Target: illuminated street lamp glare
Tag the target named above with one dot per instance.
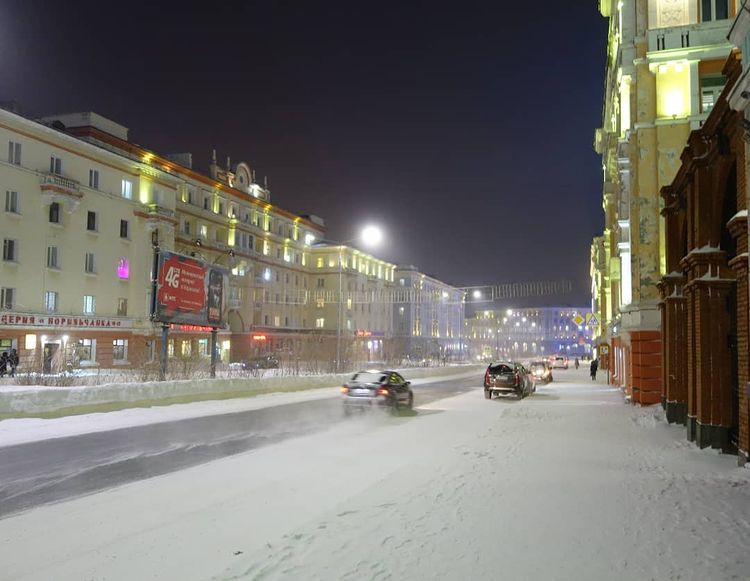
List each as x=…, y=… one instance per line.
x=372, y=235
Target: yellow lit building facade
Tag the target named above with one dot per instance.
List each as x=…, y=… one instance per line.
x=663, y=76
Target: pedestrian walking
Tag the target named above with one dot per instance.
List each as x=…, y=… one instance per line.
x=13, y=362
x=3, y=364
x=594, y=367
x=577, y=363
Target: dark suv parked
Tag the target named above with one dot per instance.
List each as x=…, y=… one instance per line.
x=507, y=377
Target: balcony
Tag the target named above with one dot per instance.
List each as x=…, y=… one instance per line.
x=56, y=188
x=703, y=34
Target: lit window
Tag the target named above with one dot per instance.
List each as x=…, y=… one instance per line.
x=123, y=269
x=50, y=301
x=320, y=323
x=89, y=304
x=127, y=189
x=320, y=262
x=87, y=350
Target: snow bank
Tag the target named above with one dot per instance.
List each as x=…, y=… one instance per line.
x=24, y=401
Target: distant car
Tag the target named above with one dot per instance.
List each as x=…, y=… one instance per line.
x=541, y=371
x=560, y=362
x=262, y=362
x=508, y=377
x=376, y=389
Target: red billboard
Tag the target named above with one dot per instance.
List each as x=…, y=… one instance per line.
x=189, y=291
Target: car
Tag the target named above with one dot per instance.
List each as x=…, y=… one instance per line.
x=541, y=371
x=560, y=362
x=508, y=377
x=377, y=389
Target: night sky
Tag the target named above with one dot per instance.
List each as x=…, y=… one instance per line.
x=464, y=129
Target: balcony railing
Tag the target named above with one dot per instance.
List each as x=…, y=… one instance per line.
x=692, y=35
x=56, y=184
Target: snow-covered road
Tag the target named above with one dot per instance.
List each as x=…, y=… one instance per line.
x=568, y=484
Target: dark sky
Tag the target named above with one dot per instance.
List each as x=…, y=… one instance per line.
x=463, y=128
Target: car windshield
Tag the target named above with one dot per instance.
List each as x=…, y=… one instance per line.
x=368, y=377
x=500, y=368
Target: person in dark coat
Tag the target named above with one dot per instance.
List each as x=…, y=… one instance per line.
x=3, y=364
x=13, y=362
x=594, y=367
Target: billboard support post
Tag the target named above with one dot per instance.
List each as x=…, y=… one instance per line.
x=213, y=352
x=163, y=355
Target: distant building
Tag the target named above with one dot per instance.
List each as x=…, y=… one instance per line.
x=529, y=332
x=427, y=317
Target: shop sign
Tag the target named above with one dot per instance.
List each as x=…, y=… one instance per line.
x=191, y=328
x=25, y=319
x=368, y=333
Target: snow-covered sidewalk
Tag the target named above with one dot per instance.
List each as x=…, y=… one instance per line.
x=567, y=484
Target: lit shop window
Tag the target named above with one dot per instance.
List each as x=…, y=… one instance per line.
x=120, y=350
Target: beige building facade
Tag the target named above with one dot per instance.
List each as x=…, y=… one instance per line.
x=663, y=77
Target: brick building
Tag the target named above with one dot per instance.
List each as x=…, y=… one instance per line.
x=704, y=294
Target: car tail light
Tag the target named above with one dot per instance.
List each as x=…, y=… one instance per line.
x=486, y=377
x=382, y=391
x=344, y=389
x=518, y=379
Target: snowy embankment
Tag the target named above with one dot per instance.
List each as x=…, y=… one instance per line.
x=28, y=401
x=569, y=484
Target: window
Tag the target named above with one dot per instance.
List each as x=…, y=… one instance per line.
x=91, y=221
x=90, y=263
x=123, y=269
x=55, y=165
x=127, y=189
x=54, y=213
x=14, y=152
x=89, y=304
x=12, y=202
x=53, y=257
x=186, y=227
x=714, y=10
x=10, y=250
x=321, y=283
x=122, y=307
x=320, y=262
x=50, y=301
x=206, y=203
x=7, y=298
x=276, y=321
x=94, y=179
x=320, y=323
x=120, y=350
x=124, y=229
x=204, y=231
x=87, y=350
x=711, y=87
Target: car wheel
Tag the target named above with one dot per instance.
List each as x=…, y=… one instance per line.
x=487, y=394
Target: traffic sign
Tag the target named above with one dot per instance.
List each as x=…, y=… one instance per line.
x=578, y=319
x=592, y=320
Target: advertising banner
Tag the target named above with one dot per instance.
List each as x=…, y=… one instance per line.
x=189, y=291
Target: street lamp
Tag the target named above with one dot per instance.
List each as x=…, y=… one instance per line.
x=370, y=236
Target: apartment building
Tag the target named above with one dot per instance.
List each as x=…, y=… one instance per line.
x=78, y=180
x=427, y=317
x=351, y=303
x=76, y=226
x=663, y=77
x=530, y=332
